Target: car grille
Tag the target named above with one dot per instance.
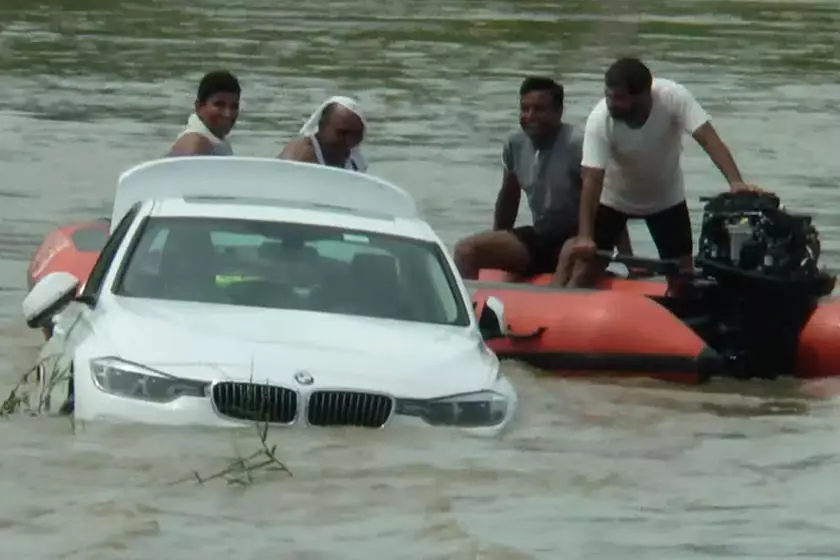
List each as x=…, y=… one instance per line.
x=252, y=401
x=348, y=408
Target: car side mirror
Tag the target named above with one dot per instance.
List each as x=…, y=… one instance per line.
x=491, y=321
x=48, y=297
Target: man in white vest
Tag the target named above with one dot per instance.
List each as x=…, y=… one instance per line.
x=216, y=110
x=332, y=136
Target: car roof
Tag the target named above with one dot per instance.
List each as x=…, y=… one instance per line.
x=279, y=211
x=282, y=182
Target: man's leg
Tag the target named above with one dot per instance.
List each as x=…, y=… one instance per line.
x=609, y=225
x=550, y=254
x=504, y=249
x=671, y=233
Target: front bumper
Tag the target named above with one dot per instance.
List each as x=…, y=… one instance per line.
x=238, y=404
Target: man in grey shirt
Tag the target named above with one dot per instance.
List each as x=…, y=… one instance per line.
x=543, y=159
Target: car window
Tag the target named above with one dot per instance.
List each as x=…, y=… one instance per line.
x=292, y=266
x=222, y=239
x=329, y=248
x=99, y=271
x=343, y=250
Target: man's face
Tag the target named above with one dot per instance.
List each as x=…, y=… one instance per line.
x=538, y=116
x=344, y=131
x=219, y=112
x=622, y=105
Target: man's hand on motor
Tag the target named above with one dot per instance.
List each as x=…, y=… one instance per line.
x=740, y=186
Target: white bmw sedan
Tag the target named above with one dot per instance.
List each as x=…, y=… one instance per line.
x=234, y=290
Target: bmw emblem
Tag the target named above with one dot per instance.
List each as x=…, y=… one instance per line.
x=304, y=378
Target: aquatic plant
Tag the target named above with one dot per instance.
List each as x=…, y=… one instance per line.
x=240, y=471
x=47, y=375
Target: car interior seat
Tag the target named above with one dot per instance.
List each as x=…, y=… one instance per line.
x=187, y=266
x=375, y=286
x=285, y=251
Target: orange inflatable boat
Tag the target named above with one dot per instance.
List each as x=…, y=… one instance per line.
x=759, y=306
x=72, y=249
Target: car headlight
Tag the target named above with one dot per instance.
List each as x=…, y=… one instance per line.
x=469, y=410
x=134, y=381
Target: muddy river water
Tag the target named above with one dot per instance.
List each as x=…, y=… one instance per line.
x=91, y=87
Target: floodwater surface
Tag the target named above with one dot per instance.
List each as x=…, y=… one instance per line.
x=591, y=470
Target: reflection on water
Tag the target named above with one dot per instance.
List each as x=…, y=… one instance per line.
x=592, y=469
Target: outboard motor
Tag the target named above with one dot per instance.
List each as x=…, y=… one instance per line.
x=765, y=265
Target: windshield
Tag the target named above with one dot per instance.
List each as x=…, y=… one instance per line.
x=291, y=266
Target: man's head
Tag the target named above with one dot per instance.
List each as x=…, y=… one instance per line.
x=217, y=102
x=627, y=90
x=540, y=107
x=340, y=129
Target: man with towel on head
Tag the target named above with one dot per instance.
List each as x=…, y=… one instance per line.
x=331, y=136
x=216, y=110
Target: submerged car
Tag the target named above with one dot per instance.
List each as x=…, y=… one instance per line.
x=232, y=290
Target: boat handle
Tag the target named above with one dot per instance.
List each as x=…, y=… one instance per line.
x=536, y=333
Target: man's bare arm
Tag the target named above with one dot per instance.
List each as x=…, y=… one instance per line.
x=590, y=196
x=299, y=149
x=507, y=202
x=191, y=144
x=718, y=152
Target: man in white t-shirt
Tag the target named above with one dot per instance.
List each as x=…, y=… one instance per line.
x=631, y=165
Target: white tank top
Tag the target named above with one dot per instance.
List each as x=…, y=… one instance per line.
x=351, y=162
x=221, y=147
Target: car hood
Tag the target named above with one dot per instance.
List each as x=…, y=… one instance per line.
x=217, y=342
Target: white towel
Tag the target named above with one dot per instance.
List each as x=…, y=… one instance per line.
x=310, y=127
x=221, y=146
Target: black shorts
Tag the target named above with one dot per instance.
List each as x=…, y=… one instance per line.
x=543, y=247
x=669, y=228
